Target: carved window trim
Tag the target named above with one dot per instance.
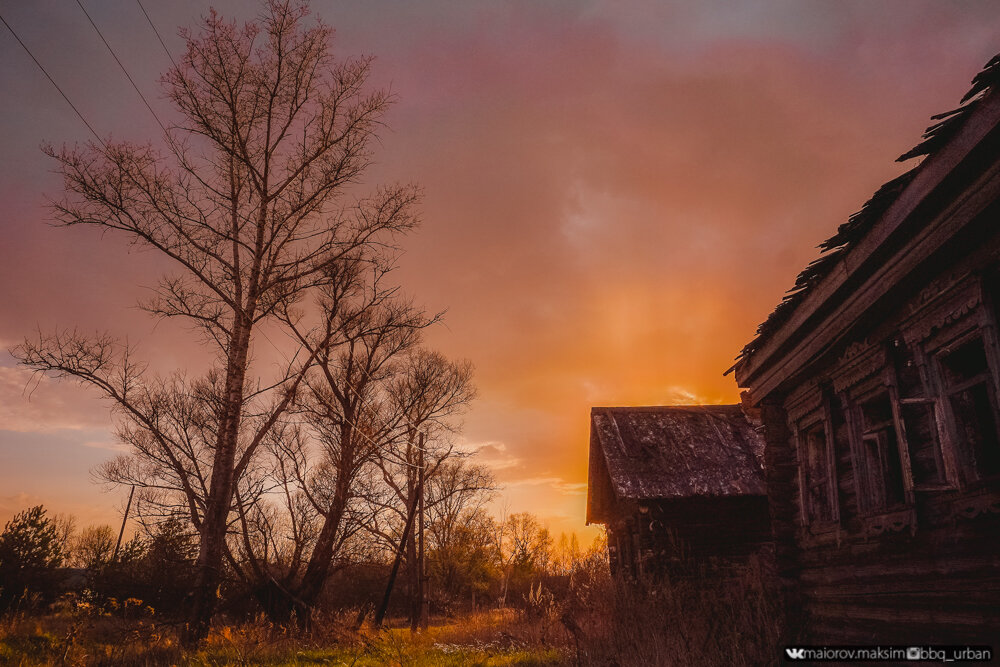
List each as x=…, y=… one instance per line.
x=816, y=420
x=965, y=475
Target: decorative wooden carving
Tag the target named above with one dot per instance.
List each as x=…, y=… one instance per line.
x=943, y=317
x=934, y=290
x=861, y=360
x=894, y=521
x=972, y=506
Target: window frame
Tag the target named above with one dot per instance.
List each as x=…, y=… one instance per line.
x=966, y=476
x=816, y=419
x=868, y=506
x=943, y=453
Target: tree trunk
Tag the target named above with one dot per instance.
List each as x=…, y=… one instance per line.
x=220, y=496
x=276, y=600
x=318, y=568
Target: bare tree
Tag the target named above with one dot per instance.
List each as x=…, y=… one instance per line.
x=429, y=396
x=458, y=489
x=249, y=203
x=459, y=530
x=523, y=547
x=93, y=547
x=347, y=419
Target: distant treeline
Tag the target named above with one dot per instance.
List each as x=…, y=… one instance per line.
x=473, y=561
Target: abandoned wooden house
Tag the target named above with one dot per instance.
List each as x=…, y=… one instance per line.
x=675, y=485
x=878, y=379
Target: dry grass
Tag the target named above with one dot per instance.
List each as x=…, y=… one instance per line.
x=88, y=636
x=705, y=618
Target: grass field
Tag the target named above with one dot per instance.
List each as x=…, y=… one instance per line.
x=82, y=637
x=714, y=619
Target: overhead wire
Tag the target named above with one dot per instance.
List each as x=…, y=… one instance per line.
x=53, y=81
x=157, y=32
x=122, y=66
x=151, y=111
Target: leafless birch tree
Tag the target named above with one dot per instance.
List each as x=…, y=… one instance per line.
x=249, y=202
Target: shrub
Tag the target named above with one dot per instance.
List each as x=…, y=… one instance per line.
x=31, y=548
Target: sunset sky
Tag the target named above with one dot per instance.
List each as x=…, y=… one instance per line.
x=616, y=193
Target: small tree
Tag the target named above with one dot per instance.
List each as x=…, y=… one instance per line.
x=93, y=547
x=31, y=548
x=523, y=547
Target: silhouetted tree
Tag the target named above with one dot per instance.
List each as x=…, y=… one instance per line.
x=249, y=204
x=93, y=547
x=31, y=548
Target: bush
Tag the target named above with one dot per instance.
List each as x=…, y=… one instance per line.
x=31, y=548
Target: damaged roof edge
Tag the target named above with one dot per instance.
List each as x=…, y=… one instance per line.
x=851, y=235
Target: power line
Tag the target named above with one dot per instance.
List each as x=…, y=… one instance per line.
x=53, y=82
x=151, y=25
x=117, y=60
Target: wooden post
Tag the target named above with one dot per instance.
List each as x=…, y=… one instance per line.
x=424, y=608
x=128, y=506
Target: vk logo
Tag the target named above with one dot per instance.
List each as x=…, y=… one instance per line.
x=795, y=653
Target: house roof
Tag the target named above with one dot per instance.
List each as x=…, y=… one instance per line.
x=861, y=223
x=675, y=452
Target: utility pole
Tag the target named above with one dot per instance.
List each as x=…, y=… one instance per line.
x=424, y=609
x=118, y=544
x=416, y=567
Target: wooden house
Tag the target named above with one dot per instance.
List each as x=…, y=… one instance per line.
x=878, y=379
x=674, y=485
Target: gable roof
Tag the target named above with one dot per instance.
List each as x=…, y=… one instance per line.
x=861, y=223
x=673, y=452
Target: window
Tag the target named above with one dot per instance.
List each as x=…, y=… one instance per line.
x=919, y=422
x=918, y=419
x=881, y=469
x=847, y=498
x=966, y=378
x=816, y=487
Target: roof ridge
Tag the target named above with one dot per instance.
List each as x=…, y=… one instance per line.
x=653, y=408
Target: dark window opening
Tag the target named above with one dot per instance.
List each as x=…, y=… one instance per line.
x=922, y=443
x=882, y=468
x=977, y=429
x=966, y=362
x=967, y=384
x=908, y=381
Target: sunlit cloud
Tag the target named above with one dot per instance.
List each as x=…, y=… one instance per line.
x=104, y=444
x=555, y=483
x=30, y=402
x=493, y=455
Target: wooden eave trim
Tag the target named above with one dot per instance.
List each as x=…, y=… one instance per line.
x=769, y=366
x=602, y=457
x=836, y=325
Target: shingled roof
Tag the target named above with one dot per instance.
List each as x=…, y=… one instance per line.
x=858, y=225
x=674, y=452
